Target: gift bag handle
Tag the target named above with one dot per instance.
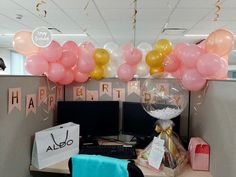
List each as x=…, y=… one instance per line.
x=63, y=143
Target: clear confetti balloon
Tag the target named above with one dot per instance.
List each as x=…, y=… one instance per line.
x=163, y=98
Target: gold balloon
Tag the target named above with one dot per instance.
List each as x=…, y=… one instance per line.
x=154, y=59
x=158, y=70
x=163, y=46
x=104, y=67
x=101, y=57
x=97, y=73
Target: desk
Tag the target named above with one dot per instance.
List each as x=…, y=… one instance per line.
x=62, y=167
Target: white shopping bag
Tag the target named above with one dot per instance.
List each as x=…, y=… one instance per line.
x=55, y=144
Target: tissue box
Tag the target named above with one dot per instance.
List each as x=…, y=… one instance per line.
x=199, y=152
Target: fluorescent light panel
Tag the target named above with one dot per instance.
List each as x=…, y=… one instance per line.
x=196, y=35
x=59, y=35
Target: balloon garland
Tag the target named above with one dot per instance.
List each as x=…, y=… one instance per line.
x=190, y=63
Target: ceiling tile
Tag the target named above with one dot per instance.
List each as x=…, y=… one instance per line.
x=156, y=4
x=226, y=14
x=189, y=14
x=117, y=14
x=155, y=15
x=180, y=24
x=229, y=4
x=83, y=15
x=197, y=4
x=112, y=4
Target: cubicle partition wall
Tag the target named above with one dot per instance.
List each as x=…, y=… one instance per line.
x=17, y=126
x=215, y=120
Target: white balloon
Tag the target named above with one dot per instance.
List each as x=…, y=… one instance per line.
x=144, y=47
x=111, y=47
x=142, y=70
x=117, y=56
x=111, y=69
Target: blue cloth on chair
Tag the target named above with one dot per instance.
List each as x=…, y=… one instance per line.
x=98, y=166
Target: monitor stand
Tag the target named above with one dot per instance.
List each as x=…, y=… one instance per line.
x=143, y=141
x=88, y=141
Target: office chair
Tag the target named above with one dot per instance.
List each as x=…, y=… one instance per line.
x=133, y=170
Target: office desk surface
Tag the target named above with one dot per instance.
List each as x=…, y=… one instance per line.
x=62, y=167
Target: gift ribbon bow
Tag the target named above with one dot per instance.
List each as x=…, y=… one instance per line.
x=169, y=142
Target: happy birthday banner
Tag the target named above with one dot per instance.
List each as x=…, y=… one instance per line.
x=192, y=64
x=34, y=101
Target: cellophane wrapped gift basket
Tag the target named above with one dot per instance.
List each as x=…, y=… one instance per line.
x=164, y=99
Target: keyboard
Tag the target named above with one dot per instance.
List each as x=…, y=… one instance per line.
x=116, y=151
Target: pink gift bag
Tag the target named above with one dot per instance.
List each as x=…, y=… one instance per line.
x=199, y=152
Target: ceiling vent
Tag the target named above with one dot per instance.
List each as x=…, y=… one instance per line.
x=174, y=31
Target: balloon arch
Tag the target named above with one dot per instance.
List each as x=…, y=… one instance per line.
x=190, y=63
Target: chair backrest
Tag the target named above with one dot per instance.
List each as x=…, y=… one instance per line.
x=133, y=170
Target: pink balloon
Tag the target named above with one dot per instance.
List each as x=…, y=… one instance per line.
x=179, y=73
x=125, y=72
x=70, y=46
x=56, y=72
x=86, y=49
x=36, y=65
x=22, y=43
x=67, y=78
x=171, y=63
x=223, y=72
x=192, y=80
x=86, y=65
x=189, y=55
x=178, y=48
x=80, y=77
x=53, y=52
x=68, y=59
x=127, y=47
x=202, y=45
x=133, y=57
x=209, y=65
x=226, y=57
x=220, y=42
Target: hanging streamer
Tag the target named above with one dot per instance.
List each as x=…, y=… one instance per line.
x=134, y=20
x=41, y=12
x=218, y=9
x=50, y=90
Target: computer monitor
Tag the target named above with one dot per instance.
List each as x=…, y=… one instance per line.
x=137, y=122
x=96, y=118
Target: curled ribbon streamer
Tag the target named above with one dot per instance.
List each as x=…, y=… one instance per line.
x=134, y=20
x=218, y=9
x=199, y=100
x=167, y=132
x=50, y=89
x=43, y=13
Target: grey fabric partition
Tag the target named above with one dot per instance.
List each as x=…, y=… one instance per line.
x=215, y=120
x=17, y=130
